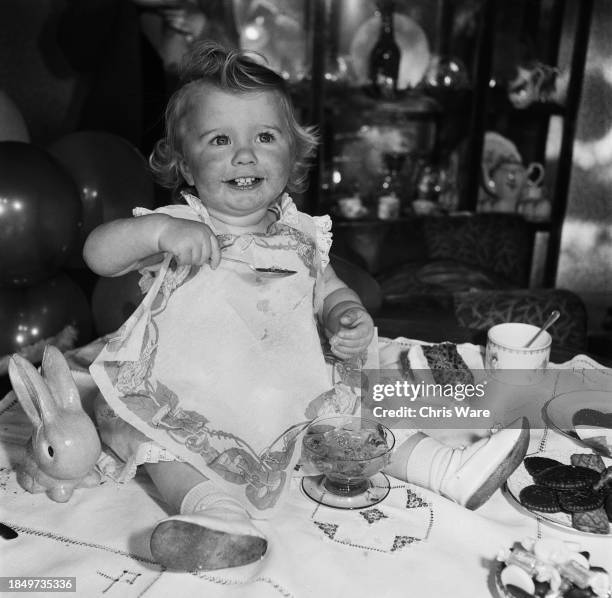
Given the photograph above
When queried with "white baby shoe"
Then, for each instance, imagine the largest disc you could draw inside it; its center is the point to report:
(218, 536)
(469, 476)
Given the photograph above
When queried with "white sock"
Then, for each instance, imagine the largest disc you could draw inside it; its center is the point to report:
(205, 494)
(428, 462)
(206, 505)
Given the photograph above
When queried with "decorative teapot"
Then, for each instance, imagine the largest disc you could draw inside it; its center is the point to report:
(506, 180)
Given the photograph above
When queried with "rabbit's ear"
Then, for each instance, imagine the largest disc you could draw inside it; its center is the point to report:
(59, 379)
(31, 391)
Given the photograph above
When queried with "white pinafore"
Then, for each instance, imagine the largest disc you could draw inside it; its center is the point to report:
(218, 368)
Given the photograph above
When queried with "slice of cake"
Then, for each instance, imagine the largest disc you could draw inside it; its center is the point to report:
(446, 364)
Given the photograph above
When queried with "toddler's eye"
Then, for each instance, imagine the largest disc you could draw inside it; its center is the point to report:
(266, 137)
(220, 140)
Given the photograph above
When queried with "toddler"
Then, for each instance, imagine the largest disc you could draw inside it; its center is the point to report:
(211, 381)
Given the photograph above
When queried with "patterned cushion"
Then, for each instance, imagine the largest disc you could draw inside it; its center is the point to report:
(500, 243)
(482, 309)
(436, 278)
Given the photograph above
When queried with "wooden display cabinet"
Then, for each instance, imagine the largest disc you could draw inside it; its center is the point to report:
(490, 38)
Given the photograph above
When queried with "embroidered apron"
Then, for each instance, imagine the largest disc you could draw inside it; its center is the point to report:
(223, 367)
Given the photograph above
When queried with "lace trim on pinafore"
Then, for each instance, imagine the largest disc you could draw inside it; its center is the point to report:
(319, 227)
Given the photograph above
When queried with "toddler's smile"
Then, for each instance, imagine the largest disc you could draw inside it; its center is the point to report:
(244, 182)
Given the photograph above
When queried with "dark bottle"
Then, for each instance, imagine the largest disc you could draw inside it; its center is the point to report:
(385, 55)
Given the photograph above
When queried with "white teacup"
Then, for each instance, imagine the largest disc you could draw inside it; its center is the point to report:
(506, 351)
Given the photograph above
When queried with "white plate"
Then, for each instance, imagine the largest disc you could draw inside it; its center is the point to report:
(410, 38)
(522, 478)
(558, 413)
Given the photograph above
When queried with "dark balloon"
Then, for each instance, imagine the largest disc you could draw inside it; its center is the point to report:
(112, 177)
(12, 125)
(40, 214)
(111, 174)
(114, 300)
(31, 314)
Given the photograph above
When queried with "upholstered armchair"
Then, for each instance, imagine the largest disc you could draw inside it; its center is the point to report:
(453, 277)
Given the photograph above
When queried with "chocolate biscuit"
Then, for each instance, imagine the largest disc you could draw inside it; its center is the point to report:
(539, 498)
(566, 477)
(534, 465)
(575, 501)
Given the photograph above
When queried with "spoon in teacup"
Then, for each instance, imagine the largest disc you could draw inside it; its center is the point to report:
(554, 316)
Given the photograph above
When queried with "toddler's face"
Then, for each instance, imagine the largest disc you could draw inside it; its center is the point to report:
(236, 150)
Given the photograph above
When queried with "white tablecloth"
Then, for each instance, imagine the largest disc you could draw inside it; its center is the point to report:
(413, 543)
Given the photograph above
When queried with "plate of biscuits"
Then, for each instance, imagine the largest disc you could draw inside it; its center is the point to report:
(571, 489)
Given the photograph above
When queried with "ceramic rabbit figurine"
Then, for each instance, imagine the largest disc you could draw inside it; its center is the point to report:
(65, 445)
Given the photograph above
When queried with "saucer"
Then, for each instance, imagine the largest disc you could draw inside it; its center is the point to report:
(378, 487)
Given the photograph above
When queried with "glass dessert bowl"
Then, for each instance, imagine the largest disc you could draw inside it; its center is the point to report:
(346, 454)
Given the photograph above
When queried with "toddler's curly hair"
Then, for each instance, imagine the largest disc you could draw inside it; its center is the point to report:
(234, 71)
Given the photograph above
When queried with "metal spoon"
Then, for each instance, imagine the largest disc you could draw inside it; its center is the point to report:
(554, 316)
(263, 272)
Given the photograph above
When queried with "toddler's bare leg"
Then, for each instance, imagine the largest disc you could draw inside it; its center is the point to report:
(210, 531)
(174, 480)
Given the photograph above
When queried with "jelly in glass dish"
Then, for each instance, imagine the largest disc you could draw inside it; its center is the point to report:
(348, 453)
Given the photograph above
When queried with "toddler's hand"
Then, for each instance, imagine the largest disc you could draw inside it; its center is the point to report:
(353, 328)
(190, 242)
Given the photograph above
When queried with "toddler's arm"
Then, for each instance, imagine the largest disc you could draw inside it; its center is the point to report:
(120, 246)
(347, 323)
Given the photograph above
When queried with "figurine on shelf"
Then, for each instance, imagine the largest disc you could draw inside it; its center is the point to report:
(534, 82)
(65, 445)
(505, 182)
